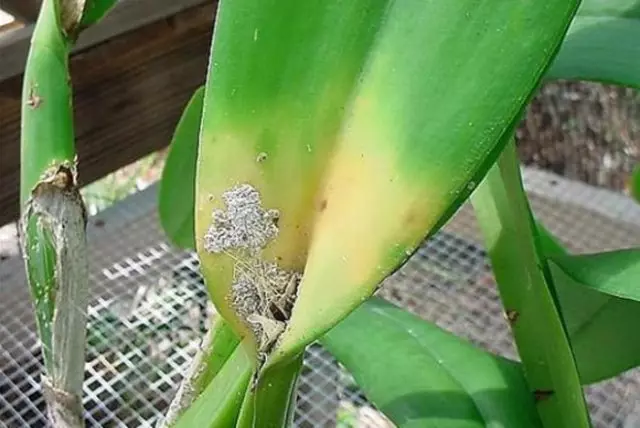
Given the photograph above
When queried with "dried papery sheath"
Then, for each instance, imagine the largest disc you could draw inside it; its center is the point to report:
(55, 253)
(71, 13)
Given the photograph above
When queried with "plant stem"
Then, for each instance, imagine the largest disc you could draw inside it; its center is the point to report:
(219, 404)
(216, 348)
(527, 291)
(53, 216)
(271, 402)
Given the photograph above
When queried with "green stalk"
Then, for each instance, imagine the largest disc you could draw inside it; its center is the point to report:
(53, 213)
(219, 390)
(270, 404)
(527, 291)
(217, 347)
(47, 120)
(219, 404)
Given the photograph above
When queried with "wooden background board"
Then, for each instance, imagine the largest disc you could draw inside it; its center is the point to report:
(22, 10)
(129, 91)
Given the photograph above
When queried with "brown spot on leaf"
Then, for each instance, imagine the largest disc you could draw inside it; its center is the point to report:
(323, 205)
(512, 316)
(410, 218)
(542, 394)
(34, 99)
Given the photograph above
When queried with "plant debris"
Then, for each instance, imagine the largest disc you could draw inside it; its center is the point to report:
(262, 293)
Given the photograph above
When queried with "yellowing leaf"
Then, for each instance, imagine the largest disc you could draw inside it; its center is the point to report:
(362, 124)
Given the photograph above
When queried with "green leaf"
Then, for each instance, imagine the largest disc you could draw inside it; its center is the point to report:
(601, 328)
(95, 10)
(550, 245)
(598, 295)
(601, 44)
(223, 343)
(616, 273)
(421, 376)
(362, 123)
(176, 195)
(528, 294)
(634, 184)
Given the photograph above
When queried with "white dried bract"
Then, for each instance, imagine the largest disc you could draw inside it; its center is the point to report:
(56, 209)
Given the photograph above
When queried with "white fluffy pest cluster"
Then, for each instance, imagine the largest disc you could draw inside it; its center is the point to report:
(262, 292)
(245, 224)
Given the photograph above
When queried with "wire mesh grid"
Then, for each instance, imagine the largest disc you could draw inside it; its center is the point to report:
(149, 309)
